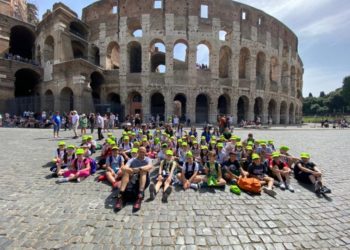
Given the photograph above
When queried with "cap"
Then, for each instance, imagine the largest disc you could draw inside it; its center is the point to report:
(221, 145)
(284, 148)
(249, 148)
(195, 142)
(61, 143)
(239, 144)
(80, 151)
(126, 138)
(134, 150)
(71, 147)
(305, 155)
(164, 145)
(184, 144)
(276, 154)
(109, 134)
(169, 152)
(115, 148)
(144, 139)
(189, 154)
(255, 156)
(84, 138)
(204, 147)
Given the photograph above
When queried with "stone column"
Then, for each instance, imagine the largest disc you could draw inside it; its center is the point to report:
(146, 105)
(234, 110)
(278, 113)
(213, 112)
(191, 109)
(251, 110)
(265, 113)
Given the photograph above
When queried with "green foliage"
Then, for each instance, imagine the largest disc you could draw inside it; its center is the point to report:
(346, 90)
(335, 102)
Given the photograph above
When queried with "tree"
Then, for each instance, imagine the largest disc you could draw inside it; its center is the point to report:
(310, 94)
(346, 90)
(322, 94)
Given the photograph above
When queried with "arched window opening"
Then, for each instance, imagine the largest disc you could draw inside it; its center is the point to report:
(21, 43)
(203, 57)
(242, 109)
(113, 56)
(260, 70)
(180, 56)
(244, 60)
(158, 106)
(180, 103)
(157, 55)
(223, 35)
(49, 49)
(202, 109)
(96, 81)
(225, 62)
(135, 57)
(79, 50)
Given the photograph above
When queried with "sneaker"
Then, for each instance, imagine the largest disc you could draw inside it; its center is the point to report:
(290, 188)
(137, 204)
(269, 191)
(62, 180)
(78, 179)
(325, 190)
(282, 186)
(54, 175)
(152, 191)
(318, 186)
(119, 203)
(102, 178)
(166, 194)
(194, 186)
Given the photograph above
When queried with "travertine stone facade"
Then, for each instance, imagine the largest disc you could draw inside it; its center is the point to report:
(123, 56)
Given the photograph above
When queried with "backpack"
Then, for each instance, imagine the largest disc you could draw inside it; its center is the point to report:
(250, 185)
(93, 164)
(119, 160)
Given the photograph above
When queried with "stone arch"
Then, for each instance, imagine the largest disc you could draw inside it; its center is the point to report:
(224, 104)
(244, 64)
(113, 56)
(79, 50)
(272, 112)
(291, 113)
(180, 55)
(135, 27)
(157, 55)
(293, 80)
(202, 108)
(96, 82)
(135, 103)
(135, 57)
(180, 105)
(242, 108)
(258, 108)
(283, 113)
(113, 100)
(285, 78)
(203, 55)
(95, 53)
(158, 105)
(21, 42)
(48, 101)
(26, 83)
(274, 67)
(67, 99)
(78, 29)
(260, 70)
(49, 49)
(225, 64)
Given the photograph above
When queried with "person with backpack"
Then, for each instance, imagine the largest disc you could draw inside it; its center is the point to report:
(307, 172)
(258, 171)
(58, 160)
(165, 177)
(213, 172)
(126, 145)
(189, 173)
(136, 171)
(80, 168)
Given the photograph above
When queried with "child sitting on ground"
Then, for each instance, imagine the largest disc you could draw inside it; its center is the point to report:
(189, 175)
(213, 172)
(165, 177)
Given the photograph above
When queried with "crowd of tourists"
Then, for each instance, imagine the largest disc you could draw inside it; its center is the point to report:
(157, 159)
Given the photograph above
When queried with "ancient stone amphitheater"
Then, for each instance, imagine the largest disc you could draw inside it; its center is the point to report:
(144, 57)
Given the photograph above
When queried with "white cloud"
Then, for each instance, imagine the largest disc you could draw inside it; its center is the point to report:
(327, 25)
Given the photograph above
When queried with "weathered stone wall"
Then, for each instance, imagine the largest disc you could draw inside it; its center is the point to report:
(255, 70)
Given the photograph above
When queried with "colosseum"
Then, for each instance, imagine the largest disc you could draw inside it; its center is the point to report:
(141, 57)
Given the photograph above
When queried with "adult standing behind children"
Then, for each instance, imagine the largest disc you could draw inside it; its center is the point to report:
(75, 123)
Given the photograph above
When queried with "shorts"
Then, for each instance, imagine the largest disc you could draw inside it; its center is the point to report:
(236, 172)
(56, 127)
(303, 177)
(81, 173)
(188, 175)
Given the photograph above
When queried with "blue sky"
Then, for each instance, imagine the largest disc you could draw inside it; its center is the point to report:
(323, 28)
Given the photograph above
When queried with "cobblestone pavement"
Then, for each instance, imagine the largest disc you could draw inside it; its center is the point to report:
(38, 213)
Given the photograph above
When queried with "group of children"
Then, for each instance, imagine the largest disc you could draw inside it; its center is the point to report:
(211, 161)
